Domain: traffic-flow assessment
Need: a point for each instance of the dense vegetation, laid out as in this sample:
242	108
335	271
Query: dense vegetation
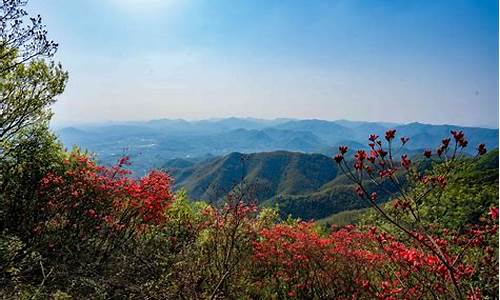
473	188
72	228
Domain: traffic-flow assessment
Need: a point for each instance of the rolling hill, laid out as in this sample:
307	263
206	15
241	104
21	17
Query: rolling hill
308	186
267	174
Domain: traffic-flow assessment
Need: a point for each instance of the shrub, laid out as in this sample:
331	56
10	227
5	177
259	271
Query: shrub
419	204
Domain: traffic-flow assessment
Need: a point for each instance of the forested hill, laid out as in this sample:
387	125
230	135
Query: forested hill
309	186
265	174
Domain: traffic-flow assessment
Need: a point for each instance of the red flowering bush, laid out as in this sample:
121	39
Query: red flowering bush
81	221
86	202
444	259
297	261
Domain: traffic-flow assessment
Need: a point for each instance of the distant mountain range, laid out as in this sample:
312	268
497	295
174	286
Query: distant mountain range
150	144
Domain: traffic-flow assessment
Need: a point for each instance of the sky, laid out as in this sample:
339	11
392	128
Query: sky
431	61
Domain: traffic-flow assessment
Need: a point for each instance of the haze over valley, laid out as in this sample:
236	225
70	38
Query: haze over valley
150	144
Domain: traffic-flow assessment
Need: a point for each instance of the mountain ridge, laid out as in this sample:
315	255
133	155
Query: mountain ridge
150	144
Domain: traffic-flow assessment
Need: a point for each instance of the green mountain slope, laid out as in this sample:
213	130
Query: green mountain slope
265	174
308	186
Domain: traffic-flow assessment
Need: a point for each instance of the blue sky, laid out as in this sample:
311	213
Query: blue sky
399	61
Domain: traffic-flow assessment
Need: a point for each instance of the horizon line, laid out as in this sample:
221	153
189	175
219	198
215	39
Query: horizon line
64	124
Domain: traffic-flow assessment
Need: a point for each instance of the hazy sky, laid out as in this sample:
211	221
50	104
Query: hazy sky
428	61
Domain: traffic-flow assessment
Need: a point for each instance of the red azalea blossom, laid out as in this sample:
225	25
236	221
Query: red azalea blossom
359	191
493	213
360	155
458	135
91	213
439	259
387	172
382	153
474	294
405	162
463	143
124	161
481	149
93	191
446	142
440	180
440	151
400	204
373	137
390	134
338	158
343	149
292	254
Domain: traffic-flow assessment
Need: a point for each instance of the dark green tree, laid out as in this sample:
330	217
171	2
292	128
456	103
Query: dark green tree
29	84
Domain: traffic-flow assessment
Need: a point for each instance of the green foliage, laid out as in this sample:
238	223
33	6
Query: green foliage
344	218
26	93
269	216
37	152
471	189
334	197
28	151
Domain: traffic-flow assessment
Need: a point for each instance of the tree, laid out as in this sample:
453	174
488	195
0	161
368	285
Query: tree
19	43
28	86
28	83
